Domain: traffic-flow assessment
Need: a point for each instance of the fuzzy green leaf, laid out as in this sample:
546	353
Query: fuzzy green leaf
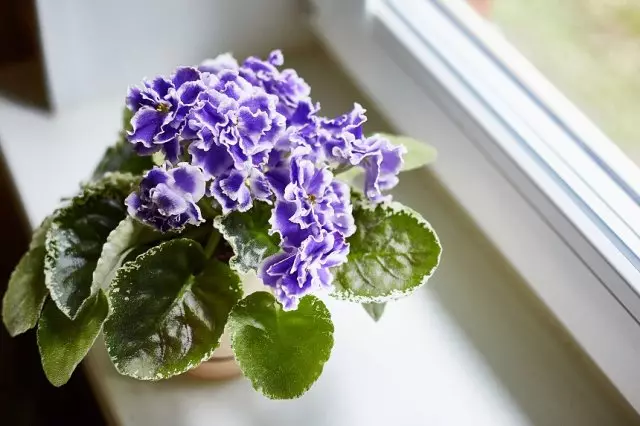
281	352
418	154
375	310
247	234
392	253
26	292
121	157
76	236
128	235
169	309
64	342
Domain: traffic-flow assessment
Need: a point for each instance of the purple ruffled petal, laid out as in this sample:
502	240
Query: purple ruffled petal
184	75
188	179
145	125
221	62
167	199
215	161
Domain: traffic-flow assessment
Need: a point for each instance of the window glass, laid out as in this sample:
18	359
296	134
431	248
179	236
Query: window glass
590	49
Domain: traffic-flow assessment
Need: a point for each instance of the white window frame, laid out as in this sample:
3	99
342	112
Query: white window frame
555	196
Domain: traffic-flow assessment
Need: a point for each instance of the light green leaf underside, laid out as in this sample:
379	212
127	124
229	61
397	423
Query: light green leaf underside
39	236
247	234
375	310
129	234
63	342
169	309
281	352
418	153
26	292
393	252
74	241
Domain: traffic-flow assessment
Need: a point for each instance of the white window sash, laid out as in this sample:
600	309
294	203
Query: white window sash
541	188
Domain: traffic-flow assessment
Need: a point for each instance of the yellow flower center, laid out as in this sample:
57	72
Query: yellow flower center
162	107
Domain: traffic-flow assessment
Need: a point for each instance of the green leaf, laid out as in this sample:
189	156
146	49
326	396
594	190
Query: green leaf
74	241
40	234
281	352
64	342
127	115
128	235
26	292
375	310
169	309
418	154
392	253
247	234
121	157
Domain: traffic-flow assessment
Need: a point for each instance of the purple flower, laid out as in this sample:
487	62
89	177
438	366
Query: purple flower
160	109
297	272
224	61
286	84
340	143
167	198
321	139
312	201
237	189
381	161
252	132
236	115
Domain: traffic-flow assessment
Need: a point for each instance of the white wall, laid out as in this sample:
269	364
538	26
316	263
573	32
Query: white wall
93	48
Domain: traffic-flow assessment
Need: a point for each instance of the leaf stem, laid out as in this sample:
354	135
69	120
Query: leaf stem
214	239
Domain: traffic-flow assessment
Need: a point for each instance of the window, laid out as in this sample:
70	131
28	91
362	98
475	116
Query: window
588	49
540	177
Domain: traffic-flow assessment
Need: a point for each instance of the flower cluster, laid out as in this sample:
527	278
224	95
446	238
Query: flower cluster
167	198
236	133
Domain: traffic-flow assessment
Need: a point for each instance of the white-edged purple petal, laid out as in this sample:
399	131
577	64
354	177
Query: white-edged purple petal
183	75
224	61
215	161
167	199
189	179
145	125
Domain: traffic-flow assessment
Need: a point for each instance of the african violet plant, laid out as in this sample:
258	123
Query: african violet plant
221	170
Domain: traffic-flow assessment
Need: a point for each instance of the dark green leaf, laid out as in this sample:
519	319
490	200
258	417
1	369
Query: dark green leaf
247	234
26	291
121	157
74	241
418	154
129	234
169	309
281	352
393	252
63	342
375	310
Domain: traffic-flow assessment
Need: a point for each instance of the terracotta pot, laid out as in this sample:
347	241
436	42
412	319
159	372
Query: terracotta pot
222	365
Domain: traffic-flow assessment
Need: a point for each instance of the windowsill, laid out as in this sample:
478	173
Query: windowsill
475	346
